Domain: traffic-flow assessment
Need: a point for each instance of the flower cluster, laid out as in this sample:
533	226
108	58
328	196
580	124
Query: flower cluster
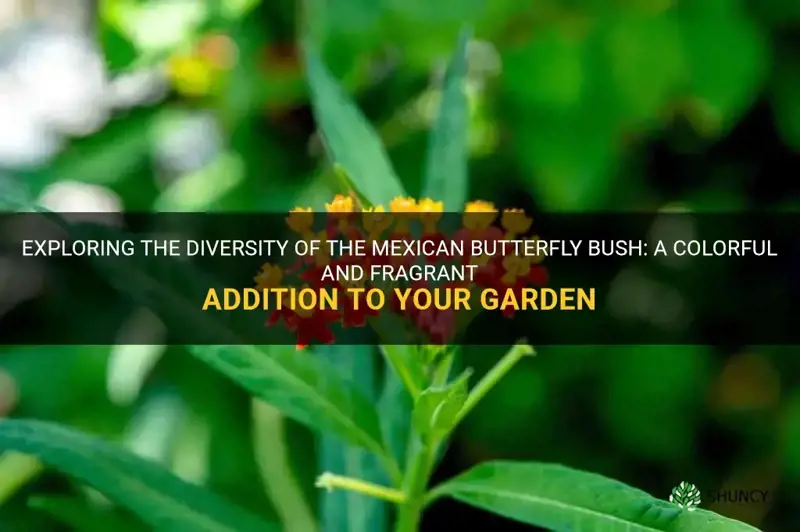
406	219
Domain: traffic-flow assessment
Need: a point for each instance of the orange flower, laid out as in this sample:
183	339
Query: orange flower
269	277
340	204
406	207
479	215
515	267
401	204
430	212
340	210
300	220
515	222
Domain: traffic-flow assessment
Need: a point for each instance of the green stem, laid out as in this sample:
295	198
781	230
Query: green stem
514	355
409	514
330	482
500	370
421	460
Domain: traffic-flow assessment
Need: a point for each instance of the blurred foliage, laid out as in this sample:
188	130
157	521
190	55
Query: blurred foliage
575	105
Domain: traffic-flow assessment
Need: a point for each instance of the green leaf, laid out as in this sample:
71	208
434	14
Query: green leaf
303	387
446	177
728	65
436	410
565	500
160	499
344	511
562	181
406	361
555	61
274	459
395	407
632	43
443	368
120	53
350	139
81	517
344	182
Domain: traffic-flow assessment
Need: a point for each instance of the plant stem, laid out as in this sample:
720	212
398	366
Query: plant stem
409	514
330	482
421	459
514	355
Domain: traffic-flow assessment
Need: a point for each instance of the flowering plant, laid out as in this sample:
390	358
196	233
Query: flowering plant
433	319
405	429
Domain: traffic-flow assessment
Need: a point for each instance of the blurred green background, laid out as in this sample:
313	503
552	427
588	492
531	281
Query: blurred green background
576	105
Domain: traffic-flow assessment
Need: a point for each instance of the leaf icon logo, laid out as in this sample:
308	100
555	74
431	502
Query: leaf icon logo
686	496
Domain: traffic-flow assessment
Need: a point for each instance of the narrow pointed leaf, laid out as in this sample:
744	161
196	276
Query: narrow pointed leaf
303	387
395	407
446	177
349	138
406	362
159	498
344	511
567	500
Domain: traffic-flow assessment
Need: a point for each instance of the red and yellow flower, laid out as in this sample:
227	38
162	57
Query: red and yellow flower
346	219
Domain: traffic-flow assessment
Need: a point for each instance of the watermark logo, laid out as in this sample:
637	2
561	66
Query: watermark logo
739	496
685	496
